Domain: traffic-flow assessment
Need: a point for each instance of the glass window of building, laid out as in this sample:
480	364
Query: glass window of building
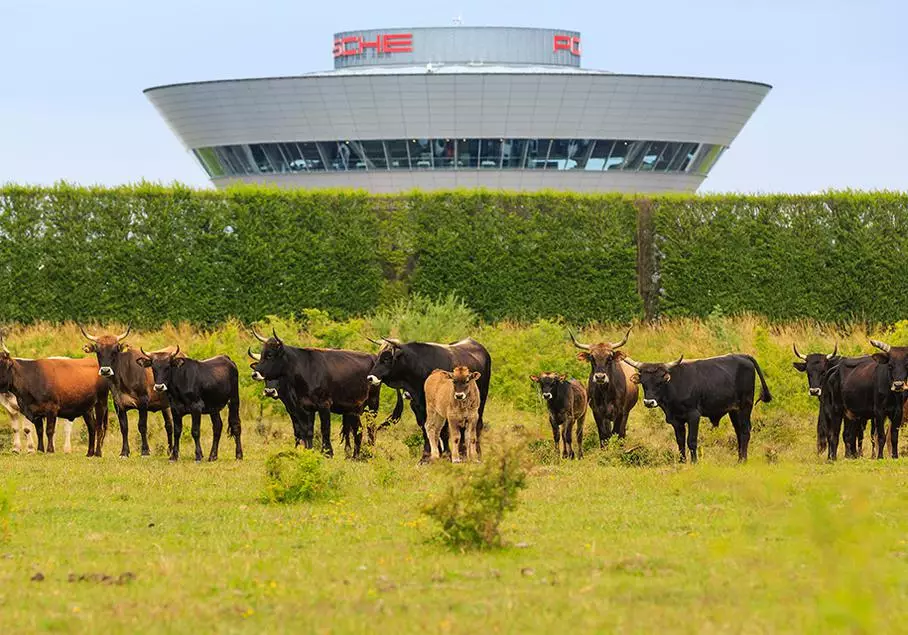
683	157
261	162
651	154
369	155
468	153
538	153
513	153
295	160
208	157
598	154
444	152
397	154
490	154
618	155
337	155
420	154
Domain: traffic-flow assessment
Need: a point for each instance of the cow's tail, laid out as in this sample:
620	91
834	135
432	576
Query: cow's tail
765	395
396	414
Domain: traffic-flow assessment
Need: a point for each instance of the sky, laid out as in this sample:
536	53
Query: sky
72	108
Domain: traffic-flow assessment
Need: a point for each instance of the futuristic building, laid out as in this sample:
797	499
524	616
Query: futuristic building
439	108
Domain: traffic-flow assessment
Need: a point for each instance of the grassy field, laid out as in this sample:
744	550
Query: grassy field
786	543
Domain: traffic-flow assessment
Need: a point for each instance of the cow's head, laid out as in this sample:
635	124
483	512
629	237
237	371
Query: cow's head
601	356
549	383
388	354
271	362
655	379
461	378
161	364
107	348
6	367
815	364
896	359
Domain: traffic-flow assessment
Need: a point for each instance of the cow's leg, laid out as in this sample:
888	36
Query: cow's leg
735	418
67	436
51	428
567	432
859	436
822	437
456	436
324	417
679	438
197	434
603	427
39	432
177	433
556	433
15	422
91	424
217	425
693	431
419	411
833	427
579	425
472	454
167	415
124	429
745	423
432	428
100	431
308	428
353	427
143	431
621	425
297	427
879	426
895	422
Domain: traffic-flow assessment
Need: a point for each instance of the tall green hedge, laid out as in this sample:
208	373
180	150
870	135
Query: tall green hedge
831	257
155	254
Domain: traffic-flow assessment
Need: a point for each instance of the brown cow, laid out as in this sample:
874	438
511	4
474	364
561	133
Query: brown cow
46	389
453	396
611	391
132	387
566	400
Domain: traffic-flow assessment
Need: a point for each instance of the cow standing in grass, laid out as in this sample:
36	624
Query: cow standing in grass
57	387
197	387
26	427
815	366
611	392
710	388
566	400
453	396
132	387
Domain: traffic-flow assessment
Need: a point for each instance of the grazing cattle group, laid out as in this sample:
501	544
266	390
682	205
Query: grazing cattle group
448	387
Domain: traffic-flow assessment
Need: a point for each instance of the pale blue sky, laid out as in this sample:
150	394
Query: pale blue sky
71	102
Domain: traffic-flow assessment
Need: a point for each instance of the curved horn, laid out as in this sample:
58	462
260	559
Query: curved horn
175	353
3	345
834	351
392	341
671	365
622	342
632	363
128	329
144	353
274	333
883	346
257	336
371	340
249	352
91	338
584	347
794	347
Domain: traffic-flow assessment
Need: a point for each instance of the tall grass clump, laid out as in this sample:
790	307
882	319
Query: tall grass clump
472	506
420	317
293	476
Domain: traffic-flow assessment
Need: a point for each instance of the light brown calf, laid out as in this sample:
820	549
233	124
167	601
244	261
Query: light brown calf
453	396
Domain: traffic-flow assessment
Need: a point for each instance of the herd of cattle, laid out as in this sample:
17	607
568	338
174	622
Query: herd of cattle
447	385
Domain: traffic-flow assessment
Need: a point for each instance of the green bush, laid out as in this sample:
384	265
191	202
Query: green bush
292	476
471	508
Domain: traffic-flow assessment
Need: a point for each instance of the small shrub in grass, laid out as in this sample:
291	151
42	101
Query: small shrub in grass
621	453
471	508
298	475
543	452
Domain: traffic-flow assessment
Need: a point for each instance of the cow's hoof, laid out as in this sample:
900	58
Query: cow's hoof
212	459
17	450
146	453
124	456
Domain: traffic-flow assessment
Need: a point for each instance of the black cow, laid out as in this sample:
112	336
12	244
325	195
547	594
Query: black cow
815	365
612	394
407	366
851	387
303	420
875	390
132	387
322	381
708	388
566	400
197	387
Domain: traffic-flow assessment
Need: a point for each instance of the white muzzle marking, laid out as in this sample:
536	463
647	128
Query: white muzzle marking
106	371
650	403
460	396
160	387
271	392
547	396
257	376
375	381
600	378
815	392
898	386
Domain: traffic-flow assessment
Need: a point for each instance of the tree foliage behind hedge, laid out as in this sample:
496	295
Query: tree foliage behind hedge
153	254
